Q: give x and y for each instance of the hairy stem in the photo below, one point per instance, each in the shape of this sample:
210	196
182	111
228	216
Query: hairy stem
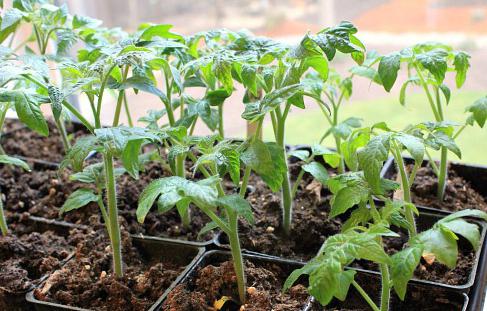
121	93
443	173
365	296
237	254
104	213
384	268
221	130
113	214
428	94
127	110
286	197
64	135
432	163
386	288
406	188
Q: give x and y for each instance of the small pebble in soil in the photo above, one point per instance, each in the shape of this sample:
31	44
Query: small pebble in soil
269	229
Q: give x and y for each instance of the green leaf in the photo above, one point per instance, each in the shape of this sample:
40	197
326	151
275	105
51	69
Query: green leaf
130	157
319	64
402	269
11	17
237	204
388	67
80	21
479	111
79	151
345	279
318	171
77	199
446	92
29	112
413	144
141	83
161	30
366	72
5	159
267	161
174	189
116	138
371	159
402	93
300	154
210	226
461	63
435	62
467	230
348	197
465	213
441	244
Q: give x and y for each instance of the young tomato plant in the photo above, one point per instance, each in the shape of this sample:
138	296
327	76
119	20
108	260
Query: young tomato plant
361	238
217	159
122	142
282	83
336	89
427	65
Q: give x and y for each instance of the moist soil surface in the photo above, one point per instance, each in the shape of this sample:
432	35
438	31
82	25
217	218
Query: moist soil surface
417	298
433	271
459	194
27	143
212	282
43	191
87	280
311	224
26	256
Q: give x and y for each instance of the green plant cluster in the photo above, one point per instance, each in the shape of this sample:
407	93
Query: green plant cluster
276	78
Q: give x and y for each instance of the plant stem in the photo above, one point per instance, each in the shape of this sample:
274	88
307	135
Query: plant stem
113	214
64	135
432	163
181	172
460	130
386	288
428	94
406	187
443	173
3	115
384	268
221	130
121	93
3	221
127	110
237	254
365	296
104	213
286	198
296	184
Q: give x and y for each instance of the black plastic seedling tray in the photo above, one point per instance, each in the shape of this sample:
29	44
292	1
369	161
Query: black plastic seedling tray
15	301
151	247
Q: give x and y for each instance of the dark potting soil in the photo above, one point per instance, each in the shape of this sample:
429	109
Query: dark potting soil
43	191
311	222
26	256
264	279
459	194
433	271
25	142
87	280
417	298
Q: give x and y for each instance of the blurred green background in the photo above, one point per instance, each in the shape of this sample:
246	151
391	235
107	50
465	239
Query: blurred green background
307	126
